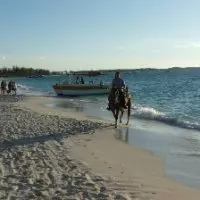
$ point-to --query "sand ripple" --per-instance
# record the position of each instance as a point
(45, 171)
(35, 164)
(20, 123)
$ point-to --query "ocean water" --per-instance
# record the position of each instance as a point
(165, 115)
(171, 97)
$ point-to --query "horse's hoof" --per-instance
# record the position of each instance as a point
(120, 121)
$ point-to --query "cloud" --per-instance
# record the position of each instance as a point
(196, 45)
(155, 51)
(41, 57)
(2, 57)
(120, 48)
(188, 45)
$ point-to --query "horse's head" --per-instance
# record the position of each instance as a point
(117, 96)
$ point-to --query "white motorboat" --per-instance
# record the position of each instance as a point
(79, 87)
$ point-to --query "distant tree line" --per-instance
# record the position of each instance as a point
(26, 72)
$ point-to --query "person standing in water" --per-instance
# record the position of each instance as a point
(9, 87)
(14, 87)
(3, 87)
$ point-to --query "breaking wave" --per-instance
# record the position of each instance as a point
(153, 114)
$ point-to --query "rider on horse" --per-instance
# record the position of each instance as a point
(117, 84)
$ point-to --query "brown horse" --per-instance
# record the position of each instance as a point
(117, 106)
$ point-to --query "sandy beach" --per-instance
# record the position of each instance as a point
(48, 153)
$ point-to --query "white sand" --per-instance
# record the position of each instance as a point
(39, 159)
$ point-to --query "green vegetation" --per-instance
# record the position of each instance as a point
(25, 72)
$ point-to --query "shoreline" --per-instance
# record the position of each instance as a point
(159, 185)
(44, 154)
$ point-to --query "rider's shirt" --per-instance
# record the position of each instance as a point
(118, 83)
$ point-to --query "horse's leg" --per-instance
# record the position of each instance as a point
(116, 116)
(113, 110)
(129, 110)
(115, 123)
(122, 112)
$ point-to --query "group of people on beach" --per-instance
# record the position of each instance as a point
(8, 88)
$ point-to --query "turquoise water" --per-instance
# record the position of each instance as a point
(170, 97)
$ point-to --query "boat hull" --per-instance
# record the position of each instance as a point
(71, 90)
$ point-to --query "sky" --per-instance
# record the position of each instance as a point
(99, 34)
